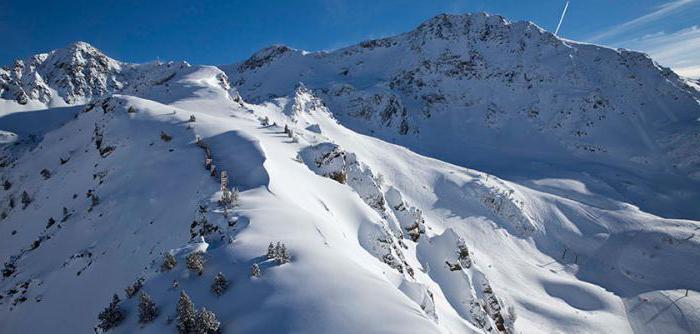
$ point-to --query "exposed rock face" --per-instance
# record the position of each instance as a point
(77, 73)
(80, 73)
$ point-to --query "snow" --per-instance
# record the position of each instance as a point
(375, 220)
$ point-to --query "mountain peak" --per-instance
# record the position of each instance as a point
(77, 72)
(81, 46)
(265, 56)
(80, 52)
(481, 25)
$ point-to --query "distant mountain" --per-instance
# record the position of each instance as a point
(81, 73)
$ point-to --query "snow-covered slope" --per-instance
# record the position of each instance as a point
(379, 238)
(511, 99)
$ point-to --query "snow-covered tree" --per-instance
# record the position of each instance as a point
(195, 262)
(169, 262)
(147, 308)
(234, 196)
(230, 198)
(281, 254)
(255, 271)
(134, 288)
(94, 200)
(206, 322)
(45, 173)
(270, 251)
(111, 316)
(26, 200)
(50, 222)
(8, 269)
(186, 315)
(220, 284)
(165, 137)
(66, 214)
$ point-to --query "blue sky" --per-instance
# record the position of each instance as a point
(219, 32)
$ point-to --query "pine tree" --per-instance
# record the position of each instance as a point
(111, 316)
(186, 316)
(26, 200)
(66, 214)
(255, 271)
(220, 284)
(270, 251)
(169, 262)
(235, 196)
(131, 290)
(195, 262)
(147, 308)
(281, 255)
(50, 222)
(278, 250)
(165, 137)
(206, 322)
(45, 173)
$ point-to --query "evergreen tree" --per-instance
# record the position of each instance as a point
(220, 284)
(206, 322)
(281, 255)
(66, 214)
(195, 262)
(278, 250)
(134, 288)
(186, 316)
(255, 271)
(147, 308)
(270, 251)
(165, 137)
(26, 200)
(111, 316)
(169, 262)
(45, 173)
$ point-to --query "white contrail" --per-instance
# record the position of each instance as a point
(561, 19)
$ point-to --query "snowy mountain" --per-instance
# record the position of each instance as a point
(512, 90)
(470, 176)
